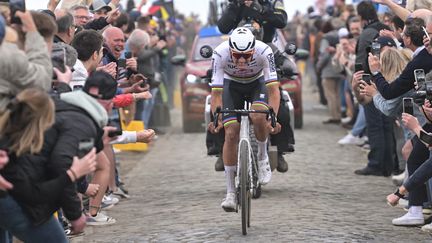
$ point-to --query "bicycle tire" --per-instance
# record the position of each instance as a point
(256, 187)
(244, 185)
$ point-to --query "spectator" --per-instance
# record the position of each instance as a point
(379, 126)
(88, 44)
(36, 191)
(354, 27)
(66, 29)
(20, 70)
(330, 75)
(81, 15)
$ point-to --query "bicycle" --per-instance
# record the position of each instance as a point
(247, 184)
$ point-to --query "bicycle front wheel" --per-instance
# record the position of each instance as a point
(244, 185)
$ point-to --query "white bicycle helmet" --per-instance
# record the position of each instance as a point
(242, 40)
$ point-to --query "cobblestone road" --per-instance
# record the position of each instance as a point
(176, 196)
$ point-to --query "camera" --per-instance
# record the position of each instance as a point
(376, 49)
(424, 93)
(14, 6)
(118, 130)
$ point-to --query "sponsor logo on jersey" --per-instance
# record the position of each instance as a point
(271, 61)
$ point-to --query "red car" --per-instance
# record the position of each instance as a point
(194, 88)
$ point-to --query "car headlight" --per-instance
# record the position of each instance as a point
(190, 78)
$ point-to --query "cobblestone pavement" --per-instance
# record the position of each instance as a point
(176, 195)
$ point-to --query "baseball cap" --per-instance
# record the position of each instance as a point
(98, 5)
(2, 28)
(106, 84)
(385, 41)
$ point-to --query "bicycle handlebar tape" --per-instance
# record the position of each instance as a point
(216, 116)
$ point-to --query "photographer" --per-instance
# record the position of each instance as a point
(270, 14)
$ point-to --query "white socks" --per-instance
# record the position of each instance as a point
(230, 173)
(262, 150)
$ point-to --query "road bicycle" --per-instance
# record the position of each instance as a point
(247, 184)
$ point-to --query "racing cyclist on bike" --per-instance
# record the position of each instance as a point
(244, 70)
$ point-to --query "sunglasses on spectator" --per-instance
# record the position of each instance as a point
(238, 55)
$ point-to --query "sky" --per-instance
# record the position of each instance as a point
(199, 6)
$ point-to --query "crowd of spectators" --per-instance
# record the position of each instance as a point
(368, 59)
(67, 74)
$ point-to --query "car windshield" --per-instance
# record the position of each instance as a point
(212, 41)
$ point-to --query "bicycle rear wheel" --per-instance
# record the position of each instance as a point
(244, 186)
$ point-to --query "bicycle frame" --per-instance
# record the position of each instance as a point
(244, 182)
(244, 136)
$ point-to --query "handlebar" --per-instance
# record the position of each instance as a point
(242, 112)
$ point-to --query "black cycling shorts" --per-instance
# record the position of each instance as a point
(235, 94)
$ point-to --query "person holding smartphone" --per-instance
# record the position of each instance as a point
(416, 181)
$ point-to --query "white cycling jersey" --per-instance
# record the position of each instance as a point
(262, 64)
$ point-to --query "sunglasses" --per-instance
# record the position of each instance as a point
(238, 55)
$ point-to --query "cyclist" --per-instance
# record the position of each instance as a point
(244, 70)
(266, 16)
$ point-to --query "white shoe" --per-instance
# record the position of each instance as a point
(427, 228)
(229, 203)
(264, 171)
(346, 120)
(109, 199)
(100, 219)
(350, 139)
(409, 219)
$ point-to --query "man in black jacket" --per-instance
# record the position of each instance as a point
(412, 37)
(270, 14)
(379, 126)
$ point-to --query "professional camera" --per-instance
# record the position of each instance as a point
(424, 92)
(236, 2)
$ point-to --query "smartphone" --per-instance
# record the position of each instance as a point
(144, 83)
(425, 32)
(420, 78)
(367, 78)
(128, 55)
(118, 130)
(85, 146)
(58, 58)
(358, 67)
(77, 87)
(14, 6)
(376, 48)
(121, 63)
(408, 105)
(426, 137)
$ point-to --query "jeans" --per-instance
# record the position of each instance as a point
(420, 175)
(13, 220)
(380, 133)
(420, 153)
(360, 123)
(148, 107)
